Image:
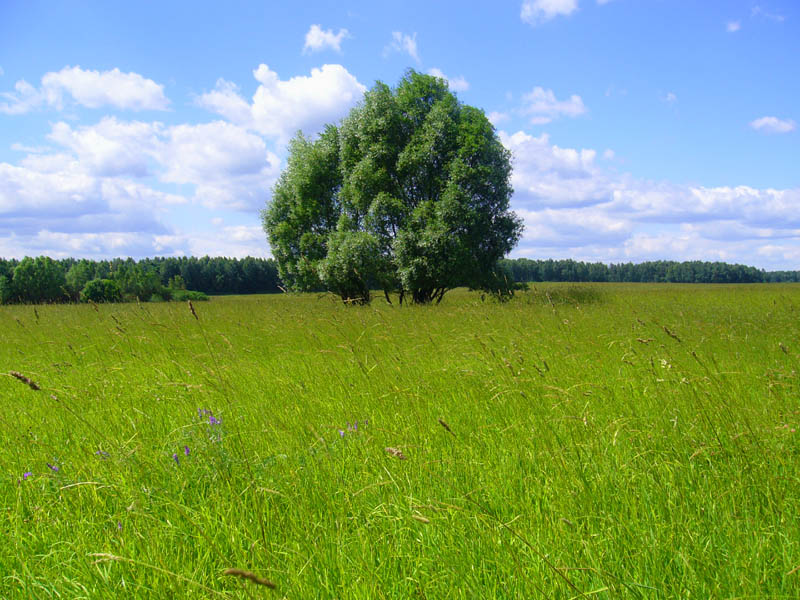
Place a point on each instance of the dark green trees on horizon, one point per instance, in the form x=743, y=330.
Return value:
x=409, y=194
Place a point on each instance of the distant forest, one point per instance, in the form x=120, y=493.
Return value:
x=659, y=271
x=42, y=279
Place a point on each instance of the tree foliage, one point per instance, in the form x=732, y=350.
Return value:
x=46, y=280
x=410, y=193
x=101, y=290
x=659, y=271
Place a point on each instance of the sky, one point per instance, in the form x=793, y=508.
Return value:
x=640, y=129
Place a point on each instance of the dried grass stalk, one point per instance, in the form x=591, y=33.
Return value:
x=26, y=380
x=250, y=576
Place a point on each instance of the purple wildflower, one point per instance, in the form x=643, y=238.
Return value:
x=212, y=420
x=102, y=454
x=119, y=525
x=26, y=474
x=53, y=467
x=176, y=459
x=341, y=433
x=186, y=450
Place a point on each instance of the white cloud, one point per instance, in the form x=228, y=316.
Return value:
x=403, y=43
x=230, y=167
x=547, y=175
x=25, y=99
x=574, y=208
x=535, y=12
x=542, y=106
x=111, y=147
x=759, y=11
x=773, y=125
x=92, y=89
x=282, y=107
x=495, y=118
x=86, y=245
x=670, y=98
x=733, y=26
x=225, y=100
x=48, y=212
x=456, y=84
x=318, y=39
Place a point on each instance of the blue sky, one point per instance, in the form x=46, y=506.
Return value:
x=641, y=129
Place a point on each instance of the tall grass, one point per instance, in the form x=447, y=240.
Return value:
x=595, y=441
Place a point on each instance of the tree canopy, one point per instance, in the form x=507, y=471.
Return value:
x=410, y=193
x=44, y=280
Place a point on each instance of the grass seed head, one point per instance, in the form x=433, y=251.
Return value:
x=396, y=452
x=250, y=576
x=26, y=380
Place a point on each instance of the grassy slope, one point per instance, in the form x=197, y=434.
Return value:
x=591, y=450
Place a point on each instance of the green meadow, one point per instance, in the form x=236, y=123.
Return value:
x=599, y=441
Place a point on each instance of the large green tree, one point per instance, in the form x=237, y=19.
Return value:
x=38, y=280
x=410, y=193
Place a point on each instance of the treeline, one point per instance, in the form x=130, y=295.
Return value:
x=524, y=270
x=43, y=279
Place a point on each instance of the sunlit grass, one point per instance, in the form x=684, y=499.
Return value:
x=607, y=440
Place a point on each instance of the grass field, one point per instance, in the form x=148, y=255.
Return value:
x=602, y=441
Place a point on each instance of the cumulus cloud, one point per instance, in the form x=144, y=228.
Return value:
x=535, y=12
x=773, y=125
x=68, y=212
x=403, y=43
x=456, y=84
x=111, y=147
x=495, y=117
x=574, y=208
x=546, y=175
x=282, y=107
x=542, y=106
x=230, y=167
x=318, y=39
x=235, y=241
x=92, y=89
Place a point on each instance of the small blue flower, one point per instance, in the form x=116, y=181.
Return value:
x=176, y=459
x=26, y=474
x=186, y=450
x=212, y=420
x=53, y=468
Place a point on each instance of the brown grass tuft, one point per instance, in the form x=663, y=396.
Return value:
x=26, y=380
x=250, y=576
x=396, y=452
